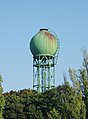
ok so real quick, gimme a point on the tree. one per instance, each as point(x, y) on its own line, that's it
point(54, 114)
point(63, 102)
point(79, 79)
point(2, 102)
point(22, 105)
point(66, 101)
point(71, 104)
point(13, 106)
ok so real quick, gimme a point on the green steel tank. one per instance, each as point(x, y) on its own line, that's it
point(44, 43)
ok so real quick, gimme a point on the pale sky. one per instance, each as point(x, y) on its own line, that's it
point(20, 20)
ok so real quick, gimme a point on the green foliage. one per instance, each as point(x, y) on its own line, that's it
point(32, 112)
point(2, 102)
point(74, 78)
point(21, 105)
point(62, 102)
point(68, 102)
point(79, 79)
point(54, 114)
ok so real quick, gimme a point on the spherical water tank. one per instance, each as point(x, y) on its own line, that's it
point(43, 43)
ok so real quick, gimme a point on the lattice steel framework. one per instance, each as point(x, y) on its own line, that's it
point(43, 73)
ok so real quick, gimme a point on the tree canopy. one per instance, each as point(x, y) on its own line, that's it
point(1, 99)
point(79, 79)
point(62, 102)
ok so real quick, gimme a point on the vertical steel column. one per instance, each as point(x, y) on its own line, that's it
point(38, 80)
point(45, 79)
point(33, 74)
point(53, 71)
point(42, 78)
point(43, 75)
point(49, 77)
point(53, 76)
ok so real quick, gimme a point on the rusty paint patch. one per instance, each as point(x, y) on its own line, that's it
point(50, 36)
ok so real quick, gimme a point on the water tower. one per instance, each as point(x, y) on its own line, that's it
point(44, 47)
